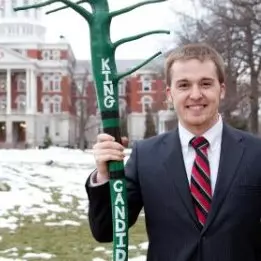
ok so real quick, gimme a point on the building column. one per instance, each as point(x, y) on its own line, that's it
point(28, 92)
point(9, 131)
point(8, 92)
point(30, 131)
point(33, 91)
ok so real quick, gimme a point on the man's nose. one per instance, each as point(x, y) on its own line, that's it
point(195, 92)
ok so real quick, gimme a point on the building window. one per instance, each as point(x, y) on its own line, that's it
point(3, 83)
point(146, 101)
point(46, 81)
point(146, 82)
point(21, 103)
point(46, 55)
point(21, 83)
point(56, 82)
point(55, 55)
point(2, 103)
point(57, 104)
point(46, 103)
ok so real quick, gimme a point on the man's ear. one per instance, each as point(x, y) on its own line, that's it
point(169, 100)
point(168, 94)
point(223, 91)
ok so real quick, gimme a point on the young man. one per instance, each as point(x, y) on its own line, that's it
point(200, 184)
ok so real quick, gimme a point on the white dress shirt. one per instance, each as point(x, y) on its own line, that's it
point(214, 137)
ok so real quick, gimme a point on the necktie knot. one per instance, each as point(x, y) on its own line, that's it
point(199, 143)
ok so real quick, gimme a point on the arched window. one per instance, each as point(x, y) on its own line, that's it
point(146, 101)
point(56, 82)
point(46, 82)
point(57, 104)
point(46, 102)
point(21, 103)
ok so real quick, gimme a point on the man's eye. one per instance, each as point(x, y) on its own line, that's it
point(206, 84)
point(183, 85)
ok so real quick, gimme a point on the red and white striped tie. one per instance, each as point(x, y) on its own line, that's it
point(200, 179)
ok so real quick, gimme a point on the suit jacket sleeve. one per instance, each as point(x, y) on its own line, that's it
point(99, 213)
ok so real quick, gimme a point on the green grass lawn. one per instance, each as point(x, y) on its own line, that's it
point(63, 242)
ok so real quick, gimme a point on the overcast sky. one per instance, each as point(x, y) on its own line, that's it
point(146, 18)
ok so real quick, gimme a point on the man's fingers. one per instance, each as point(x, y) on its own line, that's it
point(108, 154)
point(104, 137)
point(108, 145)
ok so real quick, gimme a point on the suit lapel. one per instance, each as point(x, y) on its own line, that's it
point(176, 171)
point(231, 153)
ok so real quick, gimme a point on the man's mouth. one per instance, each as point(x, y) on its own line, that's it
point(196, 107)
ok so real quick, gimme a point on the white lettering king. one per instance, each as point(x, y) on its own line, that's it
point(107, 84)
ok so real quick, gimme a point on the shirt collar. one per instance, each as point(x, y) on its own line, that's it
point(213, 135)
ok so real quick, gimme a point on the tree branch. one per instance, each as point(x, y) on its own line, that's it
point(138, 36)
point(26, 7)
point(87, 15)
point(64, 7)
point(130, 8)
point(121, 75)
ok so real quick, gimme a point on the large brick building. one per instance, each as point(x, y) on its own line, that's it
point(44, 90)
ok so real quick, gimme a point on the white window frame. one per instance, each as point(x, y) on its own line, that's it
point(56, 82)
point(146, 100)
point(146, 81)
point(46, 104)
point(46, 55)
point(46, 82)
point(21, 103)
point(55, 55)
point(57, 104)
point(21, 83)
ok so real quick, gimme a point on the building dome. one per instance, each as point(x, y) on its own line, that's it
point(21, 26)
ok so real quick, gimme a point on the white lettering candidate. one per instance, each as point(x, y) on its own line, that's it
point(120, 220)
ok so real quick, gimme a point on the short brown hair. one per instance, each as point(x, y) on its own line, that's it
point(200, 51)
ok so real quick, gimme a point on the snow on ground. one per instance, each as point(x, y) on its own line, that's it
point(32, 175)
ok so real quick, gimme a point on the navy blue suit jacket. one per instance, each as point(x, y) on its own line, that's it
point(157, 181)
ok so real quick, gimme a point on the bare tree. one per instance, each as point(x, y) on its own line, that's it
point(81, 106)
point(243, 16)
